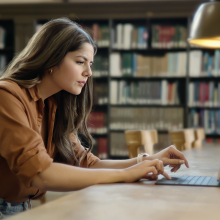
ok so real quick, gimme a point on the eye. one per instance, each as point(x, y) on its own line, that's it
point(80, 62)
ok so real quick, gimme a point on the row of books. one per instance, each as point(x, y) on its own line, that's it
point(97, 123)
point(211, 140)
point(3, 61)
point(118, 146)
point(100, 147)
point(128, 36)
point(207, 119)
point(144, 92)
point(204, 94)
point(100, 66)
point(164, 36)
point(204, 63)
point(101, 34)
point(146, 118)
point(2, 37)
point(100, 94)
point(133, 64)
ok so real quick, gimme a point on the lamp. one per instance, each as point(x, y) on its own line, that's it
point(205, 28)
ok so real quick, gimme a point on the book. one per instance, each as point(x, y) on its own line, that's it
point(166, 36)
point(100, 93)
point(208, 119)
point(100, 66)
point(2, 38)
point(195, 62)
point(204, 63)
point(100, 147)
point(204, 94)
point(127, 36)
point(115, 64)
point(145, 118)
point(97, 123)
point(172, 64)
point(148, 92)
point(3, 61)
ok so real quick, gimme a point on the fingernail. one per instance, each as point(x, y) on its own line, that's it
point(182, 161)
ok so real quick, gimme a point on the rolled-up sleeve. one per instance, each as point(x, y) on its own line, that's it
point(20, 145)
point(85, 158)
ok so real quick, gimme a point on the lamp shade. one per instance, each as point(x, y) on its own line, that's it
point(205, 28)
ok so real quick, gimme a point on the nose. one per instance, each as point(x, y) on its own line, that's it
point(88, 71)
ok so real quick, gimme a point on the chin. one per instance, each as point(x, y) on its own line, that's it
point(75, 92)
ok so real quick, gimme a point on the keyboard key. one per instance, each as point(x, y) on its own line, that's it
point(200, 180)
point(189, 178)
point(192, 182)
point(182, 179)
point(206, 181)
point(213, 182)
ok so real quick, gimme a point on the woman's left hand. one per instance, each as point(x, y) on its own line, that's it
point(170, 156)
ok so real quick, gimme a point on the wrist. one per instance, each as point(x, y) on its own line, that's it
point(150, 157)
point(141, 157)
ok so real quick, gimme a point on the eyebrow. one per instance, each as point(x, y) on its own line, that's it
point(85, 59)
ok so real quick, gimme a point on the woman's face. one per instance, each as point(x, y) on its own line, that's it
point(74, 70)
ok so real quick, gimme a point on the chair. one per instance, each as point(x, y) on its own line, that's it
point(199, 137)
point(137, 138)
point(182, 139)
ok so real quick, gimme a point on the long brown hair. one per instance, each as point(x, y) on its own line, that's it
point(46, 49)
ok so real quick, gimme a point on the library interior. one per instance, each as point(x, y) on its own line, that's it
point(155, 84)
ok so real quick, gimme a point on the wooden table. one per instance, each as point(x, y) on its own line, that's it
point(141, 200)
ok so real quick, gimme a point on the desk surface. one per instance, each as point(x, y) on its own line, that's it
point(141, 200)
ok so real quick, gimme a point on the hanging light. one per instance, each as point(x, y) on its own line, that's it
point(205, 28)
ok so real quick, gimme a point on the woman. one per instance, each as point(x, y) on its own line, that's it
point(46, 97)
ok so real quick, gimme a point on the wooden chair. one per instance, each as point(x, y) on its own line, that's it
point(137, 138)
point(199, 137)
point(182, 139)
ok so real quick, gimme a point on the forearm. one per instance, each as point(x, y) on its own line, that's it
point(115, 164)
point(61, 177)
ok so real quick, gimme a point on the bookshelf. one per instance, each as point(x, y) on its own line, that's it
point(6, 43)
point(204, 92)
point(149, 75)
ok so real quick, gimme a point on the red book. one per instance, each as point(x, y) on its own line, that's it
point(167, 36)
point(201, 89)
point(102, 148)
point(170, 91)
point(209, 140)
point(206, 93)
point(95, 29)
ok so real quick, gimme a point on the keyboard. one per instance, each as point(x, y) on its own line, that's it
point(189, 181)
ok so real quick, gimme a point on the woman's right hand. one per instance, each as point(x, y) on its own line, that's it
point(143, 169)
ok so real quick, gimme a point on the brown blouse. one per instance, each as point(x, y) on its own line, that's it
point(22, 150)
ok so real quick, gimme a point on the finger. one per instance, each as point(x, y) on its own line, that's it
point(166, 175)
point(176, 162)
point(178, 154)
point(157, 164)
point(171, 165)
point(151, 177)
point(153, 170)
point(175, 168)
point(161, 167)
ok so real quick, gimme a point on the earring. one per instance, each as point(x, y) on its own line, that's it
point(50, 71)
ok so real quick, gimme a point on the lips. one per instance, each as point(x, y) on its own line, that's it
point(82, 83)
